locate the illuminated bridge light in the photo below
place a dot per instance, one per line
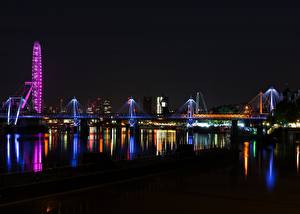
(220, 116)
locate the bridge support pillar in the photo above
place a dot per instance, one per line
(234, 135)
(247, 123)
(260, 131)
(134, 129)
(84, 127)
(190, 139)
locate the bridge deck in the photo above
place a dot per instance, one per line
(145, 117)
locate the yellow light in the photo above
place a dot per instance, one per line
(246, 155)
(297, 158)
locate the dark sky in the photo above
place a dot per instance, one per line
(88, 51)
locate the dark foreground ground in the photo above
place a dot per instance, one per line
(187, 188)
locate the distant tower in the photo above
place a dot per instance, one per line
(37, 78)
(198, 103)
(61, 106)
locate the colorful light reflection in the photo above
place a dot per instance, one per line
(37, 156)
(74, 161)
(270, 176)
(17, 147)
(8, 159)
(297, 157)
(246, 158)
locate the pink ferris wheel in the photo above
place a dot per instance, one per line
(33, 88)
(37, 77)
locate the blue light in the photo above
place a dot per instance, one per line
(8, 160)
(132, 116)
(8, 111)
(17, 147)
(73, 109)
(131, 147)
(270, 175)
(18, 112)
(74, 161)
(190, 139)
(273, 97)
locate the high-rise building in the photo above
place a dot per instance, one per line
(90, 107)
(147, 105)
(200, 103)
(62, 108)
(197, 103)
(107, 109)
(162, 105)
(99, 106)
(95, 106)
(158, 105)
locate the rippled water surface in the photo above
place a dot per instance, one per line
(39, 152)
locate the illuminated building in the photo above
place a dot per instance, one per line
(95, 106)
(89, 110)
(162, 105)
(158, 105)
(62, 108)
(99, 106)
(200, 103)
(107, 109)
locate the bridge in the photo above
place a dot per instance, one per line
(74, 114)
(19, 107)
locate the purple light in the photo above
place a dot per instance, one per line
(37, 77)
(28, 94)
(37, 156)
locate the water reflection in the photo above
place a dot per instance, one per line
(165, 141)
(100, 142)
(62, 148)
(46, 147)
(17, 148)
(91, 145)
(297, 157)
(210, 141)
(8, 160)
(246, 158)
(74, 160)
(189, 138)
(254, 148)
(113, 141)
(37, 158)
(259, 163)
(270, 175)
(131, 150)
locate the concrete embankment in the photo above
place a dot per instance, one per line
(15, 187)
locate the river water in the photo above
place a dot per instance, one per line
(21, 153)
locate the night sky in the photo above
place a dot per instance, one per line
(227, 53)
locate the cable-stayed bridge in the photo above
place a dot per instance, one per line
(29, 104)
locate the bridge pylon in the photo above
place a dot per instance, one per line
(132, 117)
(13, 106)
(190, 111)
(265, 103)
(74, 110)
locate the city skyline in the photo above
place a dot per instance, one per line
(117, 53)
(128, 106)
